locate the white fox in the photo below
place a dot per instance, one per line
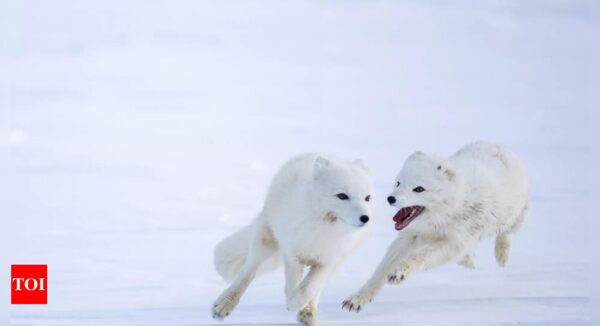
(315, 214)
(445, 206)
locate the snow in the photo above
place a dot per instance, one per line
(134, 135)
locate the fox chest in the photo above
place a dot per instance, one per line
(320, 248)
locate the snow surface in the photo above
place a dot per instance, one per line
(134, 135)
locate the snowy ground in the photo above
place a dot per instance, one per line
(134, 135)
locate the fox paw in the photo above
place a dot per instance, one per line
(502, 258)
(502, 249)
(307, 317)
(357, 302)
(468, 261)
(399, 274)
(223, 307)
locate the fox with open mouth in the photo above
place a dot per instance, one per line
(445, 206)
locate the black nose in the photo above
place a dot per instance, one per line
(364, 219)
(391, 199)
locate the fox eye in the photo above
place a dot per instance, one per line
(397, 184)
(419, 189)
(342, 196)
(368, 198)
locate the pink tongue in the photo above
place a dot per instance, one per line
(403, 217)
(402, 214)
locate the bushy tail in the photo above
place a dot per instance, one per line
(230, 254)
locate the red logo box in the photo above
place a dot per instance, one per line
(29, 284)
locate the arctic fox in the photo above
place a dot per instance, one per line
(315, 213)
(445, 206)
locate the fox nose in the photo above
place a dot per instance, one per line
(391, 199)
(364, 219)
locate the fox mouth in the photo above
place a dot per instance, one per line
(406, 215)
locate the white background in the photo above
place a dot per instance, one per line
(134, 135)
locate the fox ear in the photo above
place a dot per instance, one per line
(321, 164)
(417, 155)
(361, 164)
(448, 172)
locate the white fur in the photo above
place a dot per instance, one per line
(480, 191)
(302, 223)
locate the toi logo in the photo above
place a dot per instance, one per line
(29, 284)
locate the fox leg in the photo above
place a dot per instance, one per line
(502, 248)
(427, 256)
(308, 315)
(503, 241)
(367, 293)
(309, 288)
(261, 248)
(293, 275)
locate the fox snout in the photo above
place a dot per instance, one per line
(359, 222)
